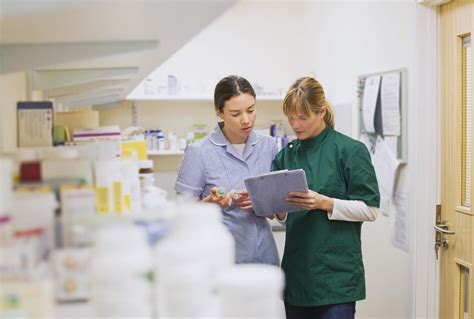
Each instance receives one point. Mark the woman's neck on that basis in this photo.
(319, 130)
(233, 138)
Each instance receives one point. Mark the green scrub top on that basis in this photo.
(322, 260)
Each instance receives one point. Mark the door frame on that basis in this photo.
(425, 177)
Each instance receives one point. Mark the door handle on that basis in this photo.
(443, 229)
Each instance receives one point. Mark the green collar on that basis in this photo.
(314, 141)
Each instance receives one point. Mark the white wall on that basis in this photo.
(12, 90)
(273, 43)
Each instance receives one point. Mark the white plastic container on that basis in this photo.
(250, 291)
(108, 181)
(32, 210)
(6, 176)
(197, 249)
(103, 184)
(118, 273)
(131, 186)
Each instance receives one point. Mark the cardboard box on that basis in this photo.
(35, 123)
(77, 119)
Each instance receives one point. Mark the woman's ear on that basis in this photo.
(219, 114)
(323, 112)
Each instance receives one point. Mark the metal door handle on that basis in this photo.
(442, 228)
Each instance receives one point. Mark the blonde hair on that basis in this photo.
(307, 95)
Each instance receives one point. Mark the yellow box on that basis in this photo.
(138, 147)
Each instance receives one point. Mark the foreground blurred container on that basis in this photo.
(250, 291)
(197, 249)
(119, 270)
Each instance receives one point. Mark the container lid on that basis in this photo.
(145, 164)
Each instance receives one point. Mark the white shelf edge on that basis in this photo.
(197, 98)
(165, 153)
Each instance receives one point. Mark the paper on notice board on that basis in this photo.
(390, 95)
(392, 142)
(385, 205)
(364, 138)
(386, 167)
(400, 228)
(369, 102)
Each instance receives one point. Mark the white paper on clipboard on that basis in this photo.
(268, 192)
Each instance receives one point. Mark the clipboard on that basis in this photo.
(268, 192)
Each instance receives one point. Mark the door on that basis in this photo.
(455, 225)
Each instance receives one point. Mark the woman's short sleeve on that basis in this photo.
(191, 175)
(360, 177)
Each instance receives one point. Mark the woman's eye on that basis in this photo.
(235, 115)
(250, 111)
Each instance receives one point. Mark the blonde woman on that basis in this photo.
(323, 259)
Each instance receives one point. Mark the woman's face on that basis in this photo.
(239, 115)
(307, 126)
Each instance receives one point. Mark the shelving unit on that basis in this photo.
(165, 153)
(197, 98)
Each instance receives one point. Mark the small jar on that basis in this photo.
(146, 174)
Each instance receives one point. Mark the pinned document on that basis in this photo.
(390, 96)
(386, 167)
(369, 104)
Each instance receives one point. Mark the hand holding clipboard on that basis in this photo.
(268, 192)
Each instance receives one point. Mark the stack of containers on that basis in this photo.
(197, 249)
(118, 273)
(26, 290)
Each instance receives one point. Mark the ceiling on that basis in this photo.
(87, 52)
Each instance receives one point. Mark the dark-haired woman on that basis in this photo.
(228, 155)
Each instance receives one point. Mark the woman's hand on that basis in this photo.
(223, 200)
(242, 200)
(310, 200)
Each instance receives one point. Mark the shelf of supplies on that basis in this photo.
(198, 98)
(165, 153)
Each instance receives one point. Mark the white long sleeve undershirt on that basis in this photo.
(350, 211)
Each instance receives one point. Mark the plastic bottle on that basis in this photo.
(118, 273)
(188, 260)
(131, 186)
(172, 138)
(146, 174)
(103, 187)
(172, 85)
(189, 138)
(160, 140)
